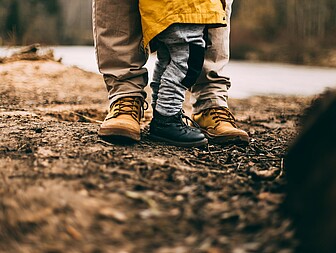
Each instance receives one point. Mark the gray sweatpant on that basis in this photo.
(180, 57)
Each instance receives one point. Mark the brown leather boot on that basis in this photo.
(218, 125)
(123, 120)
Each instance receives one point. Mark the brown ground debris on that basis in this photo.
(63, 189)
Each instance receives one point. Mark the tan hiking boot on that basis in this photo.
(218, 125)
(123, 120)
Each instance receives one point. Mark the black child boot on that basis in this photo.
(173, 130)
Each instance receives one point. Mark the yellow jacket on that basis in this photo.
(157, 15)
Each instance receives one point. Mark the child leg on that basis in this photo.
(163, 59)
(186, 47)
(180, 67)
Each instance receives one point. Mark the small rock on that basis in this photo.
(269, 174)
(271, 197)
(74, 233)
(110, 213)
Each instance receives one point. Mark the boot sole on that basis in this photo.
(119, 134)
(194, 144)
(229, 139)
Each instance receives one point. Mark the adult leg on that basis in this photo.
(211, 88)
(210, 93)
(121, 57)
(119, 51)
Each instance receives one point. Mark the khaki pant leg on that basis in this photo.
(118, 44)
(211, 88)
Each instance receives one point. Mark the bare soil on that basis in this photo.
(63, 189)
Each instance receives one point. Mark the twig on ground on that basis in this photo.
(105, 142)
(281, 168)
(87, 118)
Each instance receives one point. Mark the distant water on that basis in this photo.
(247, 78)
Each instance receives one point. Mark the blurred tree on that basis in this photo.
(307, 18)
(13, 27)
(52, 6)
(299, 31)
(76, 15)
(30, 21)
(308, 23)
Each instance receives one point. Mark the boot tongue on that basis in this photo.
(121, 108)
(129, 107)
(224, 117)
(176, 118)
(125, 106)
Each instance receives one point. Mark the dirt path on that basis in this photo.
(62, 189)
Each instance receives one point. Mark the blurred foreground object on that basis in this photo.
(31, 52)
(311, 171)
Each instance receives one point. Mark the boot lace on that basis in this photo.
(131, 106)
(221, 114)
(186, 121)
